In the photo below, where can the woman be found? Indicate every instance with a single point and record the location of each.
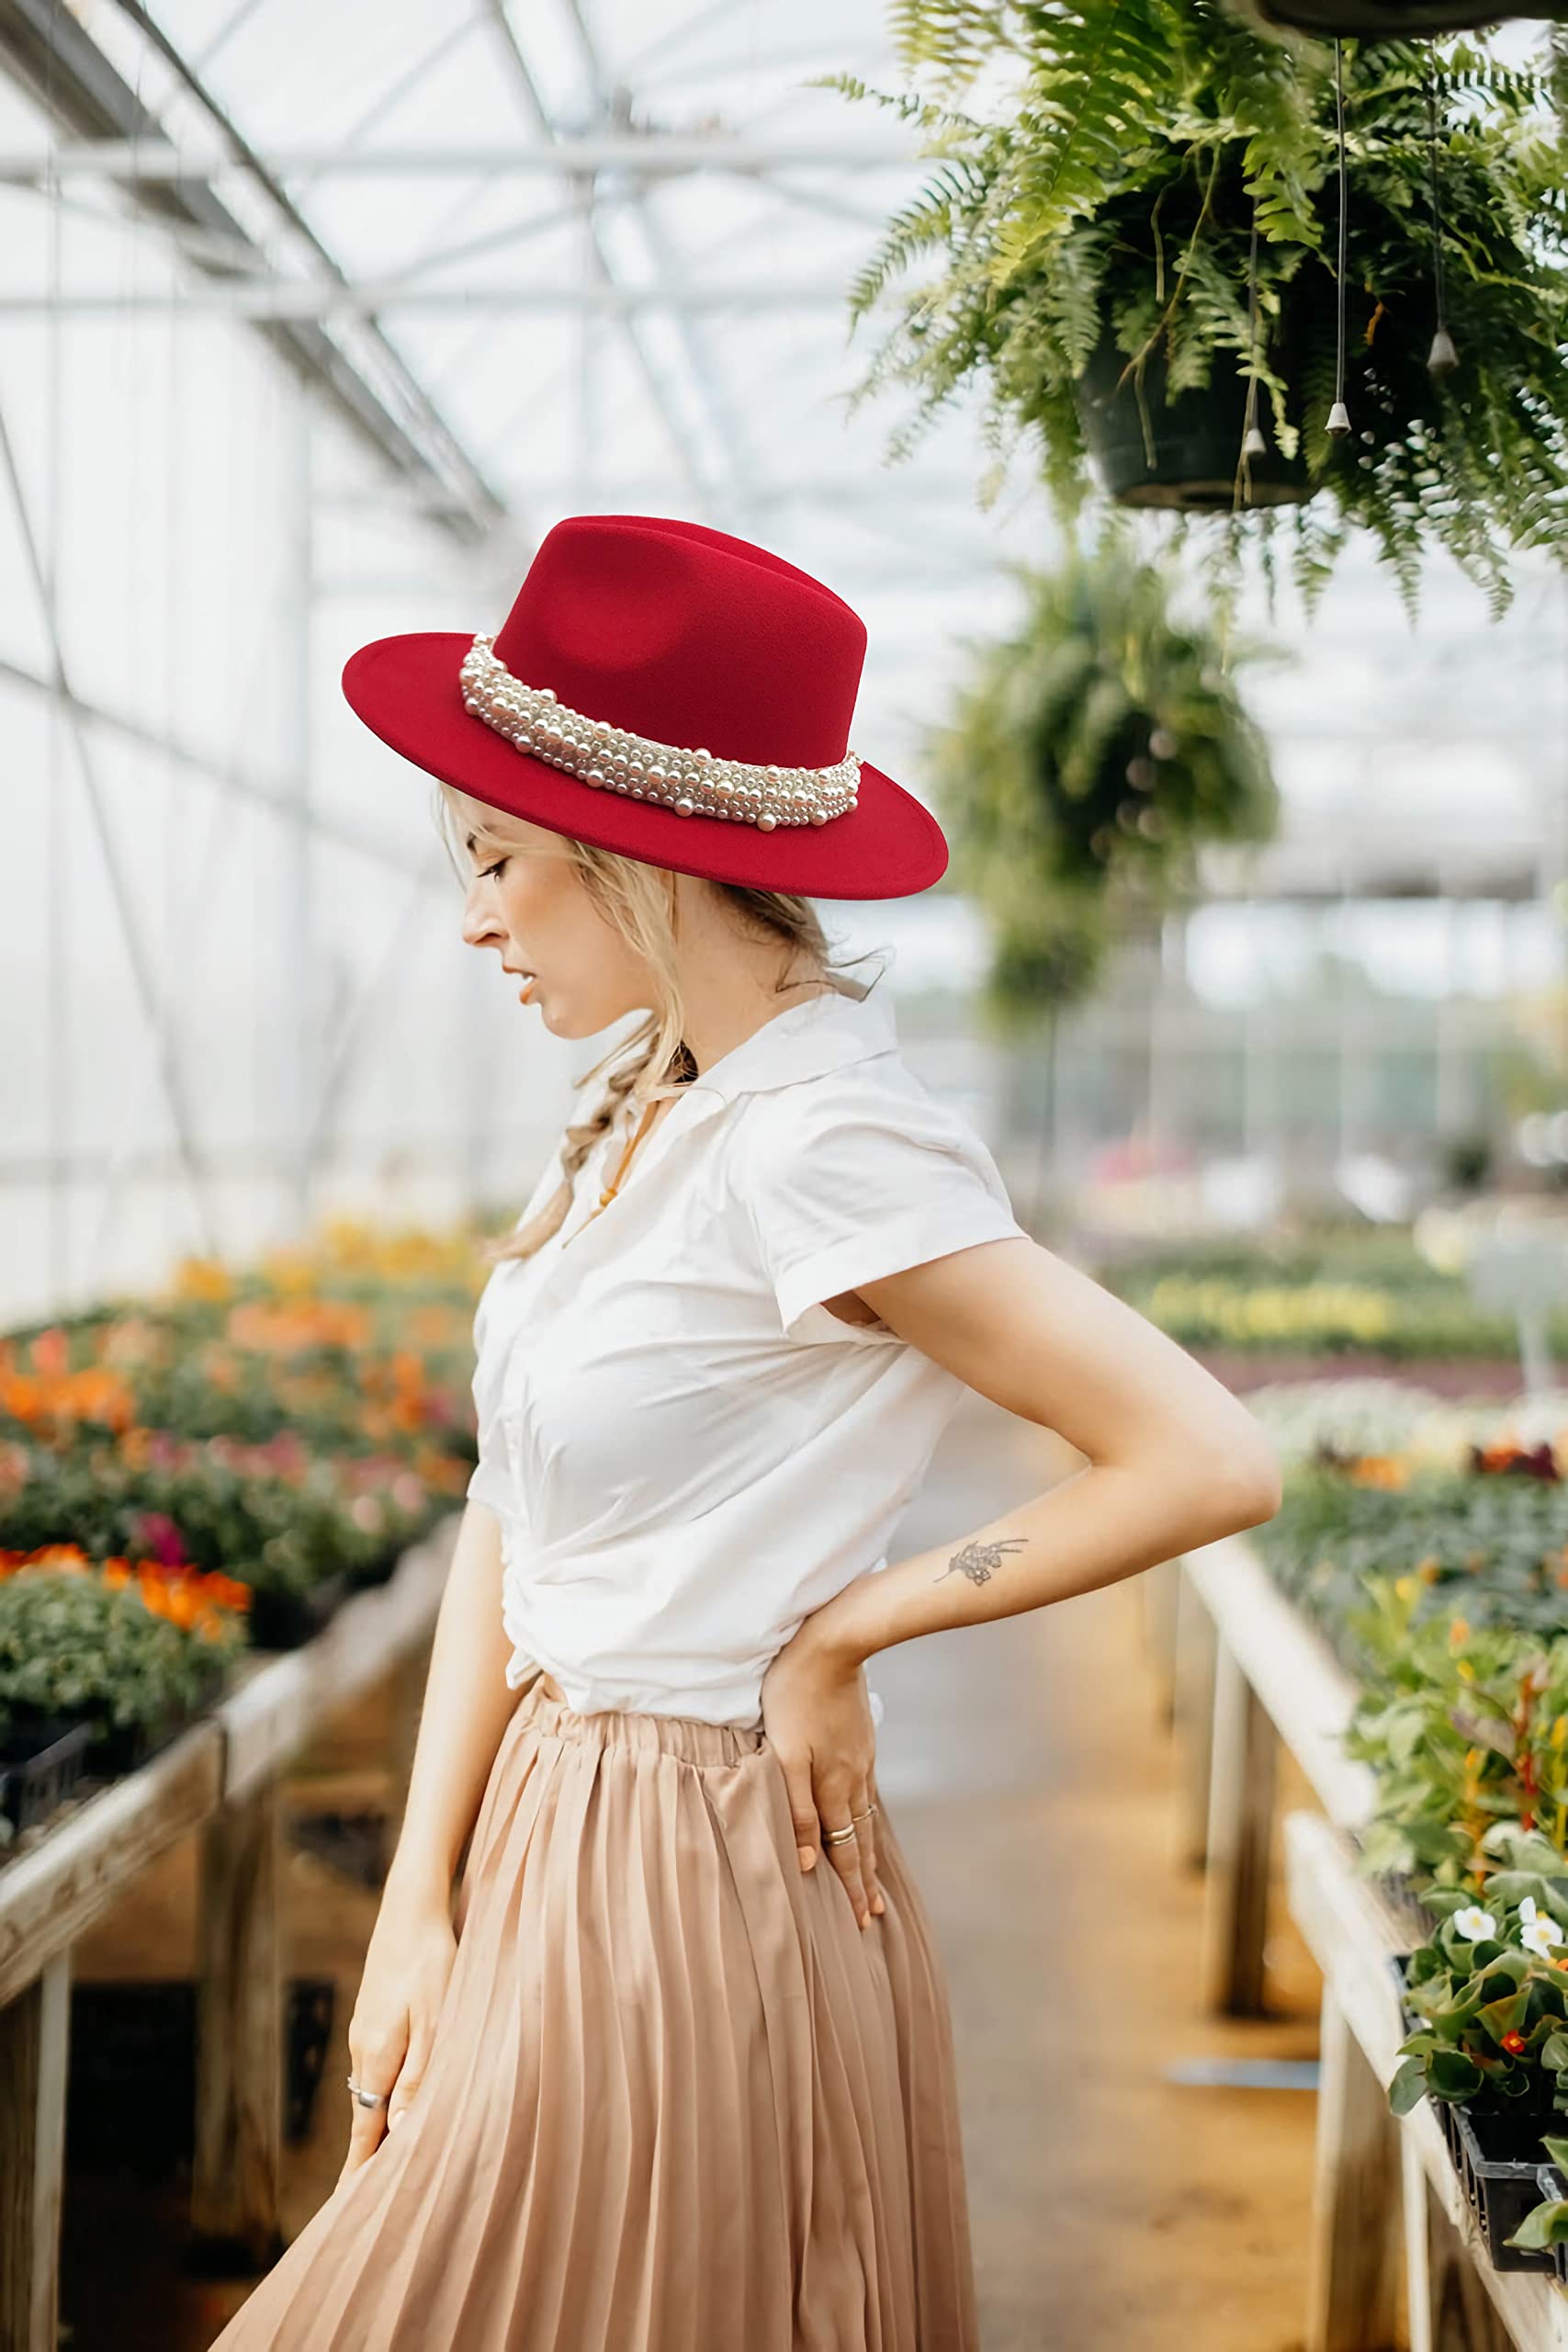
(676, 2073)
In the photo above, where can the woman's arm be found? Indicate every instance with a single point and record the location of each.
(413, 1944)
(466, 1708)
(1174, 1460)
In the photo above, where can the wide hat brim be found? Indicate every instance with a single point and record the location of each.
(407, 690)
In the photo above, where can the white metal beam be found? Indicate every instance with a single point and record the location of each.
(651, 154)
(324, 299)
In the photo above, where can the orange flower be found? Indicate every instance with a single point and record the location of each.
(1514, 2043)
(1380, 1470)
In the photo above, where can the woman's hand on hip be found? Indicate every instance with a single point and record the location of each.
(816, 1715)
(392, 2030)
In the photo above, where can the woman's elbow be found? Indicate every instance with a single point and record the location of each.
(1246, 1487)
(1231, 1488)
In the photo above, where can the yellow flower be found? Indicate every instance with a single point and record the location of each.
(1466, 1670)
(201, 1278)
(1405, 1587)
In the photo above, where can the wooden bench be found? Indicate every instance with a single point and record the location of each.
(1383, 2181)
(221, 1779)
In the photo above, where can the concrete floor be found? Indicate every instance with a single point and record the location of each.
(1031, 1772)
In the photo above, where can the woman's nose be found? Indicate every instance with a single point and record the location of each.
(478, 929)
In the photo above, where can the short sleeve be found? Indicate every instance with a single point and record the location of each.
(857, 1177)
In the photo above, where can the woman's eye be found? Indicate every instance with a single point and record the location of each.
(488, 872)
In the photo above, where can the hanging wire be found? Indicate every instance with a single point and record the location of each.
(1443, 358)
(1339, 415)
(1253, 443)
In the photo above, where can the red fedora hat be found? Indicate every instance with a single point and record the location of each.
(667, 691)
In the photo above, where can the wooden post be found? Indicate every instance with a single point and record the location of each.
(1195, 1640)
(1354, 2282)
(1241, 1818)
(1159, 1633)
(1449, 2308)
(35, 2031)
(239, 2119)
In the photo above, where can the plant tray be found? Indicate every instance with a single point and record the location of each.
(40, 1766)
(1551, 2183)
(286, 1620)
(1498, 2160)
(121, 1748)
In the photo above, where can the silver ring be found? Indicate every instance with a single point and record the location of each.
(366, 2098)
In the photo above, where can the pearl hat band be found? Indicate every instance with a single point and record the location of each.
(692, 783)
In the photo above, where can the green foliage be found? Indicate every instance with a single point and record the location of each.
(71, 1644)
(1116, 190)
(1489, 2000)
(1369, 1291)
(1085, 761)
(274, 1534)
(1493, 1547)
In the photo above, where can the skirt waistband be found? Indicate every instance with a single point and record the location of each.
(697, 1741)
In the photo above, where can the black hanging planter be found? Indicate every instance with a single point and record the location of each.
(1396, 20)
(1195, 438)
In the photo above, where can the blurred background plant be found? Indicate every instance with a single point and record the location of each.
(1087, 757)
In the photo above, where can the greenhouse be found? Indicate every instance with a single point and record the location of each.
(982, 591)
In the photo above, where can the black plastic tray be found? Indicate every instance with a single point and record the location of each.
(40, 1765)
(1499, 2160)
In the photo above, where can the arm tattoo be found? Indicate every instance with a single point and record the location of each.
(976, 1560)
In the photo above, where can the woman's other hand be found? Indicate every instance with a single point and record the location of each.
(392, 2030)
(817, 1714)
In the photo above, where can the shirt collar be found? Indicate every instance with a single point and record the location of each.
(820, 1034)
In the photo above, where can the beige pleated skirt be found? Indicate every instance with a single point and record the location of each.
(679, 2100)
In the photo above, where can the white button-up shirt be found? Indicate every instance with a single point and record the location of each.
(686, 1449)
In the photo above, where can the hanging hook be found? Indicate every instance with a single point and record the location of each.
(1443, 358)
(1253, 443)
(1339, 415)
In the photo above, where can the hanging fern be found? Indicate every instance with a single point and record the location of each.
(1086, 760)
(1112, 209)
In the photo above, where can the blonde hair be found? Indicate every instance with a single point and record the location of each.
(640, 901)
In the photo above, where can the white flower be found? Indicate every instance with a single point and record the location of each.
(1537, 1932)
(1474, 1923)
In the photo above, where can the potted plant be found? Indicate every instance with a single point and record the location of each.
(1135, 254)
(1394, 19)
(1486, 2002)
(1085, 758)
(80, 1645)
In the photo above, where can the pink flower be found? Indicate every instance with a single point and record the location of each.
(159, 1537)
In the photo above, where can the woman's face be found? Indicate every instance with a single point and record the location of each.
(528, 901)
